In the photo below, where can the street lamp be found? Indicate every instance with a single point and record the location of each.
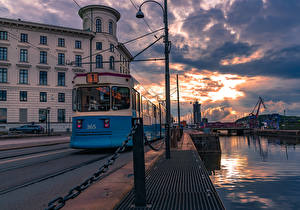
(140, 14)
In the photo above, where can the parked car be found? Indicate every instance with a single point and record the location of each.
(28, 129)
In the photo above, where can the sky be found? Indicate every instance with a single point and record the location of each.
(227, 53)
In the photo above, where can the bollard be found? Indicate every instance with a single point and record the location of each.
(139, 164)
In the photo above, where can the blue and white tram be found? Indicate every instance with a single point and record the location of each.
(103, 107)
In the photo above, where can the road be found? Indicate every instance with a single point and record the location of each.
(31, 177)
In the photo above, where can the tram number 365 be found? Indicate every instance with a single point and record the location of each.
(91, 126)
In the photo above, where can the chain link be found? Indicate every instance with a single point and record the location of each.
(59, 202)
(149, 144)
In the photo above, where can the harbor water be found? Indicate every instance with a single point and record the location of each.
(256, 172)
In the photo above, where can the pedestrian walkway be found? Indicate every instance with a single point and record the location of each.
(181, 182)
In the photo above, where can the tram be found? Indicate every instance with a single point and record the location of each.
(104, 105)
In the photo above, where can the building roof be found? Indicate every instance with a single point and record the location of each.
(42, 26)
(125, 50)
(100, 7)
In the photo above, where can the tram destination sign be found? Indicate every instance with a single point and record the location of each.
(92, 78)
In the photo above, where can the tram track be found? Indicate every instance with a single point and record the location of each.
(52, 175)
(31, 153)
(37, 162)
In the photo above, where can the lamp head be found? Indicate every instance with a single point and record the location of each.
(140, 14)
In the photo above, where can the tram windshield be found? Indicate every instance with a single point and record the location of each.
(120, 98)
(93, 98)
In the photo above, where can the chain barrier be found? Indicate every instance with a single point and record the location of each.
(149, 144)
(59, 202)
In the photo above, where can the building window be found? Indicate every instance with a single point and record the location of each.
(24, 38)
(61, 115)
(23, 76)
(43, 78)
(3, 75)
(3, 53)
(23, 115)
(98, 25)
(121, 69)
(112, 63)
(23, 95)
(43, 40)
(3, 35)
(98, 45)
(61, 42)
(78, 60)
(111, 48)
(23, 55)
(3, 115)
(61, 59)
(99, 61)
(2, 95)
(110, 28)
(43, 97)
(61, 79)
(61, 97)
(43, 57)
(77, 44)
(42, 115)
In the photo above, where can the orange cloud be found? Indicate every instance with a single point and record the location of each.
(243, 59)
(203, 87)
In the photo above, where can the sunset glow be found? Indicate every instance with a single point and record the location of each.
(227, 53)
(243, 59)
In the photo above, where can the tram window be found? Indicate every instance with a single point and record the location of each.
(150, 109)
(138, 102)
(120, 98)
(145, 105)
(94, 99)
(133, 97)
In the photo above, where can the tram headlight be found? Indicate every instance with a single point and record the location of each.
(106, 123)
(79, 124)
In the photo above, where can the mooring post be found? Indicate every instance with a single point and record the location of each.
(139, 165)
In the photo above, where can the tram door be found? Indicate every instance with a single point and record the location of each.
(133, 103)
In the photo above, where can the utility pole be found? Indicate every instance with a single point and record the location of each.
(167, 80)
(140, 14)
(178, 105)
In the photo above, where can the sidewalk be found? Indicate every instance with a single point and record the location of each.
(109, 191)
(18, 143)
(181, 182)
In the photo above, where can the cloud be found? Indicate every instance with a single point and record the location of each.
(227, 53)
(217, 113)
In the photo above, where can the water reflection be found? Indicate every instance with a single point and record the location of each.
(257, 172)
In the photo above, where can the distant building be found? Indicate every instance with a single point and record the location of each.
(34, 74)
(197, 112)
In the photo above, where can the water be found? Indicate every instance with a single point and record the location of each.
(257, 173)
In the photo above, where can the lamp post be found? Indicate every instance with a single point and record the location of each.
(48, 120)
(140, 14)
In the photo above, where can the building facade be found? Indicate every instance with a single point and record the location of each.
(38, 63)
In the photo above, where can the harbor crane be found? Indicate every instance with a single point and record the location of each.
(253, 116)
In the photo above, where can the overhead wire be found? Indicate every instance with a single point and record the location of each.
(119, 61)
(145, 21)
(129, 41)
